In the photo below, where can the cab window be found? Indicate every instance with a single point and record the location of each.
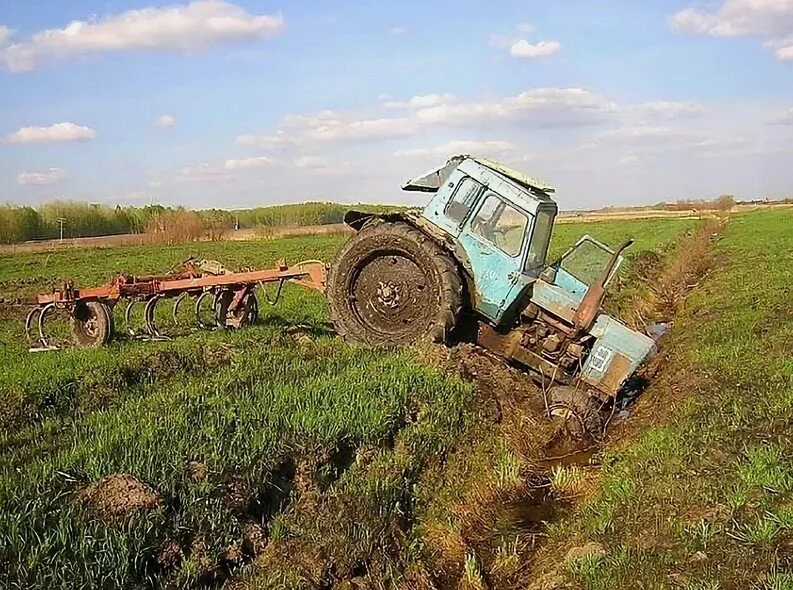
(462, 200)
(500, 224)
(538, 250)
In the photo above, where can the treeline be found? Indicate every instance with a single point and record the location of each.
(20, 224)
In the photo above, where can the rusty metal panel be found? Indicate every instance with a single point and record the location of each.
(555, 300)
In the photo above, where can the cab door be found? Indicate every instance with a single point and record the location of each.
(494, 238)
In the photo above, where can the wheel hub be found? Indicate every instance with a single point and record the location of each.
(390, 295)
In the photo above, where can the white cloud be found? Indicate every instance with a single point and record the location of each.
(223, 171)
(248, 163)
(672, 109)
(456, 147)
(422, 102)
(647, 134)
(57, 132)
(270, 142)
(525, 50)
(51, 176)
(398, 31)
(786, 118)
(771, 20)
(321, 165)
(188, 27)
(5, 35)
(165, 121)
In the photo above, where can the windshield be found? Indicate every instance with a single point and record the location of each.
(500, 224)
(587, 261)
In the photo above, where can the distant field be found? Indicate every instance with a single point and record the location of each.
(326, 461)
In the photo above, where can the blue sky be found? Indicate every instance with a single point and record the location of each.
(244, 103)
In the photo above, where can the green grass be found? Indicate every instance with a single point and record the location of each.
(716, 476)
(251, 406)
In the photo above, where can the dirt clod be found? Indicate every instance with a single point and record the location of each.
(254, 539)
(117, 496)
(170, 554)
(550, 581)
(579, 553)
(197, 470)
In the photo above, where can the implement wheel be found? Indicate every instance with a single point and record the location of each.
(392, 286)
(577, 412)
(246, 313)
(92, 324)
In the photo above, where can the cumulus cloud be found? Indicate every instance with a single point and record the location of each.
(786, 118)
(270, 142)
(525, 50)
(771, 20)
(248, 163)
(165, 121)
(225, 170)
(321, 165)
(456, 147)
(672, 109)
(422, 102)
(58, 132)
(540, 107)
(397, 31)
(51, 176)
(188, 27)
(5, 35)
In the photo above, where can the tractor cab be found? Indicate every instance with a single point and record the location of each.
(501, 221)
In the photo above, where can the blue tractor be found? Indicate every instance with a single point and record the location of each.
(478, 252)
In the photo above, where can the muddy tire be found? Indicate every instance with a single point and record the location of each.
(577, 412)
(92, 324)
(392, 286)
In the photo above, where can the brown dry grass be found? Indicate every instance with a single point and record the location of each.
(175, 227)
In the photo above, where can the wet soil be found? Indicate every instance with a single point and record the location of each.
(117, 496)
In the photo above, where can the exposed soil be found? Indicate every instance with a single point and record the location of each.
(117, 496)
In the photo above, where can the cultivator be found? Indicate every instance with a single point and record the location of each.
(230, 295)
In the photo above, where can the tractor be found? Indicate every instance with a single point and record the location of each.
(476, 256)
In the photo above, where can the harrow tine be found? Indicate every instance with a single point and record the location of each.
(42, 316)
(176, 305)
(127, 316)
(149, 318)
(197, 310)
(29, 322)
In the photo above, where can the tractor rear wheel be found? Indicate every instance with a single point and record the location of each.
(392, 286)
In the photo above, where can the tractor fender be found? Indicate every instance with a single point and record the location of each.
(357, 220)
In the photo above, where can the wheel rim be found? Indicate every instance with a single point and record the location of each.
(392, 295)
(87, 323)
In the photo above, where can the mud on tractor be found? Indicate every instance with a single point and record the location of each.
(476, 256)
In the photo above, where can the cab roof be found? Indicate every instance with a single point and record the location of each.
(433, 179)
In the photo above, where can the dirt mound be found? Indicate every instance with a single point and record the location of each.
(117, 496)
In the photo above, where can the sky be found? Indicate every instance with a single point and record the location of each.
(223, 103)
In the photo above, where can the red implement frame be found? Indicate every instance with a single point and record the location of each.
(87, 306)
(311, 274)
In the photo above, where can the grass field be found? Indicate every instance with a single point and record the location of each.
(274, 459)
